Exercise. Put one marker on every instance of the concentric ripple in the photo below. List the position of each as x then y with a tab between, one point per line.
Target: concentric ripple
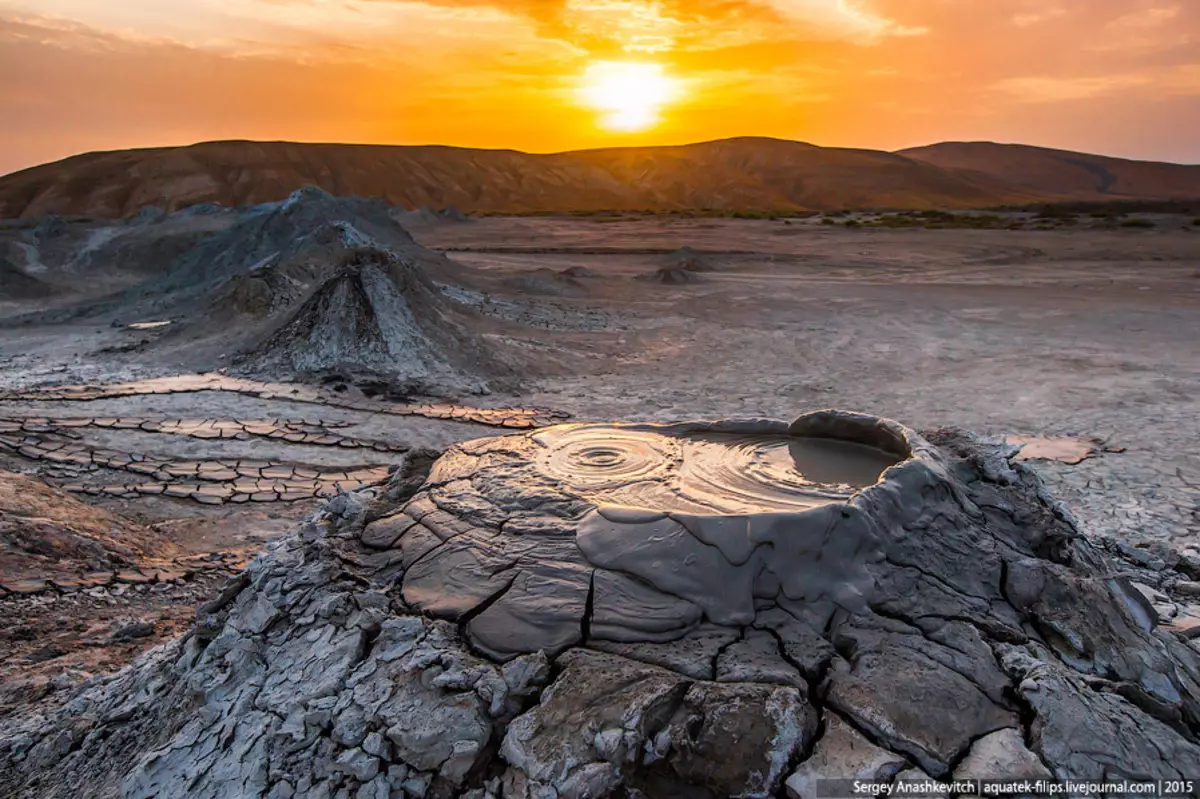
707	472
606	459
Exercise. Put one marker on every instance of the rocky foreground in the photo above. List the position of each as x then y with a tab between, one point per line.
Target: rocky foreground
657	611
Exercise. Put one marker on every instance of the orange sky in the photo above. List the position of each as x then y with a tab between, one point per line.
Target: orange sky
1120	77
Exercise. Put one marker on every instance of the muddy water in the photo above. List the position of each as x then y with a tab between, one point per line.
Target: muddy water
707	473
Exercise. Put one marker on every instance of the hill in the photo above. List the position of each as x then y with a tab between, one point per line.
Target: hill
1063	174
732	174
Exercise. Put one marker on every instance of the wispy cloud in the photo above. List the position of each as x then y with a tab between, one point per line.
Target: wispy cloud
1044	13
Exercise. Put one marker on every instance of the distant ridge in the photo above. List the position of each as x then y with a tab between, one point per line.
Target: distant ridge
1075	176
757	174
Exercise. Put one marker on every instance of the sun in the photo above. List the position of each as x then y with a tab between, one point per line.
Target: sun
629	94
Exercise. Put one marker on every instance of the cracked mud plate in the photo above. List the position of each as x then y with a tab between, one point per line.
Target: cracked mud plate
709	609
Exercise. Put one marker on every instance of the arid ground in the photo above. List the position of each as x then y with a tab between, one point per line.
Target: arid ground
1083	331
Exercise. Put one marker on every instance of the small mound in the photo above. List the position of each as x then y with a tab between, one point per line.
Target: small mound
672	276
429	216
688	259
579	272
259	293
547	282
380	318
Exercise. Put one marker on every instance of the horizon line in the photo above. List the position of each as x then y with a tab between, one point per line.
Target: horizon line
429	145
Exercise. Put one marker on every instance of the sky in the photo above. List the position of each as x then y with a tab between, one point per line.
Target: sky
1119	77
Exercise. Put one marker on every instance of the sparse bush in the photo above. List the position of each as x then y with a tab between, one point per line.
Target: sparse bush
1137	223
1196	222
828	221
853	223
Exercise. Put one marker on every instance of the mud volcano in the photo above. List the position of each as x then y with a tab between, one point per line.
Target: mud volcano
380	318
711	609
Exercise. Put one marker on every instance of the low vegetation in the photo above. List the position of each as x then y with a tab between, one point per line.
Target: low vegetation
937	220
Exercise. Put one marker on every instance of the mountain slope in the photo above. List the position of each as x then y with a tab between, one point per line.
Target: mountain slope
762	174
1068	175
732	174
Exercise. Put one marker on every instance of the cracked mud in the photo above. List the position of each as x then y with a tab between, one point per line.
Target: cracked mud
686	613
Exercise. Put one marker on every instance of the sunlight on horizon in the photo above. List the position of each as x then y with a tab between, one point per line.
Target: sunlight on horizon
629	94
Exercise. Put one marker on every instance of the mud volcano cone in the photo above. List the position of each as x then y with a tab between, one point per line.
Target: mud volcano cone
379	317
712	609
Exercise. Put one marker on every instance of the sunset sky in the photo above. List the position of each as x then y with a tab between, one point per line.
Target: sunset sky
1120	77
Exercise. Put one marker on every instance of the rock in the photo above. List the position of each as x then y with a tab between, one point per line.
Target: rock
556	740
891	678
1189	563
360	765
375	744
129	629
1002	755
1079	733
1186	621
738	739
1152	595
843	754
526	674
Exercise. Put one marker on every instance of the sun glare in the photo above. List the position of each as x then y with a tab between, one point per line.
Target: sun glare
630	95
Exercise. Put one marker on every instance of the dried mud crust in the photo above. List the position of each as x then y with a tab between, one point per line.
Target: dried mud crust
51	543
292	392
213	482
990	632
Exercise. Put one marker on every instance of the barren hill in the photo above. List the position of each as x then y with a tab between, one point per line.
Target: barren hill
732	174
1062	173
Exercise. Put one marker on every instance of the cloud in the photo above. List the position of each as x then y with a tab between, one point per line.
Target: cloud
503	73
649	26
1045	14
1049	90
1151	17
852	19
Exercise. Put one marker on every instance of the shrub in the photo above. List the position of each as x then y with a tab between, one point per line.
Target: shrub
1137	223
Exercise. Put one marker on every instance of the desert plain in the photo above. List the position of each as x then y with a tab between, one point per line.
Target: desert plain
185	443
